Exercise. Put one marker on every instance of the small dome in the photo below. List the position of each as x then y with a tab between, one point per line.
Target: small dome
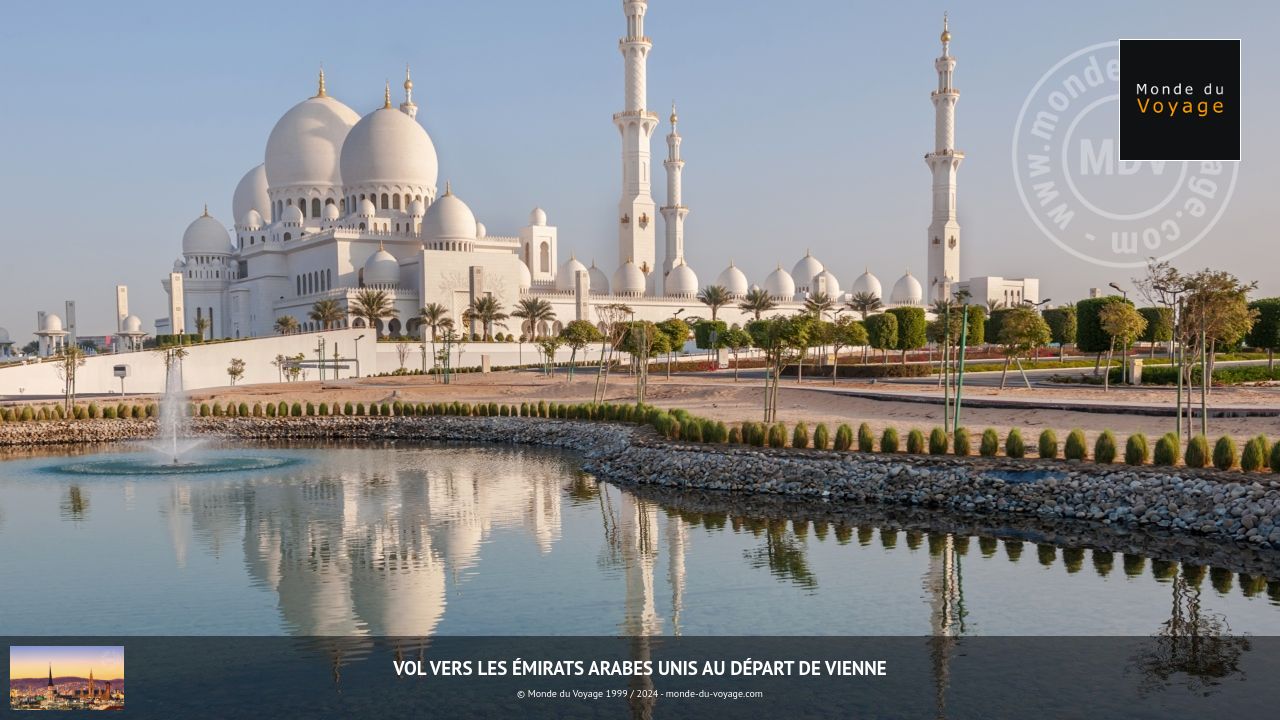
305	144
4	335
526	277
628	280
907	291
381	269
733	280
367	208
805	270
52	324
387	147
833	285
417	208
779	285
599	281
331	212
868	283
449	218
538	217
292	215
251	194
568	274
133	324
179	264
682	282
206	236
481	230
251	220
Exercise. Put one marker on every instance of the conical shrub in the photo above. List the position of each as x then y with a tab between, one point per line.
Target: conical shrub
961	443
1014	446
1047	447
1075	448
800	436
1197	452
1135	450
989	446
1254	457
821	437
1224	453
1166	452
889	441
866	439
1104	449
844	438
938	441
915	442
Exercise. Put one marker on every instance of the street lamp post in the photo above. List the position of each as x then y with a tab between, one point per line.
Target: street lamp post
1124	351
358	339
1176	360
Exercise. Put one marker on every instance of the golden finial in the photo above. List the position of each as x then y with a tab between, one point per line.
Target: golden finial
674	118
448	187
320	92
946	33
408	81
386	96
206	210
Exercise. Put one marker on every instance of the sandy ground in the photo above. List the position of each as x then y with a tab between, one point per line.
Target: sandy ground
812	401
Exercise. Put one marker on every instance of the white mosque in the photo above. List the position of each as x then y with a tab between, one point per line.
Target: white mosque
343	202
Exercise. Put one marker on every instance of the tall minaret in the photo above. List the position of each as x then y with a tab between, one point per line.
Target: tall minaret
636	221
407	107
674	212
944	161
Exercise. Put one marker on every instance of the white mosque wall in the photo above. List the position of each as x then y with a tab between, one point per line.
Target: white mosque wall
204	367
504	354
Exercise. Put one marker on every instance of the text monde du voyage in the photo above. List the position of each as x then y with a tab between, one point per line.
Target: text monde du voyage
1181	99
747	667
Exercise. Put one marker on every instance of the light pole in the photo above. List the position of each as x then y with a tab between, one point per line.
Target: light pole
1176	360
358	339
1124	351
320	355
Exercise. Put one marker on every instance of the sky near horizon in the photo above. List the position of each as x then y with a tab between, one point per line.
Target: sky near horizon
804	126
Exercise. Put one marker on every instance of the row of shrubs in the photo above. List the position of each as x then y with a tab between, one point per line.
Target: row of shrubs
1222	375
92	411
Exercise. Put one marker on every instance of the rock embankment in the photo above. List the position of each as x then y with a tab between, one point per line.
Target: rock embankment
1228	507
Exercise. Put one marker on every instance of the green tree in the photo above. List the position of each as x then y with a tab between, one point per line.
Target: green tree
1062	326
235	370
882	332
1265	333
1090	337
68	363
845	332
286	325
912	329
818	305
577	335
1022	332
374	306
736	340
488	312
1159	326
714	297
780	338
326	313
1122	323
677	332
757	302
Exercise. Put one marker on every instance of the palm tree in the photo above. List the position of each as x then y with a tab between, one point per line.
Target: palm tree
373	306
714	297
432	317
757	302
286	324
818	305
488	312
533	312
202	327
864	302
326	312
994	304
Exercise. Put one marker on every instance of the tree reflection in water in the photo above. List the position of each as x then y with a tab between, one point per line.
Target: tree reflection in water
1193	648
784	554
76	506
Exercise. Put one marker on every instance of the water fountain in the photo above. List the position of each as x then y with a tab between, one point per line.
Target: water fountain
172	431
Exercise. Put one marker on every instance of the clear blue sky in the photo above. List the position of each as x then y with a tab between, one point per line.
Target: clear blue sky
804	126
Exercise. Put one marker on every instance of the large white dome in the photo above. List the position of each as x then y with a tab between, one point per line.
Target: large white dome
389	148
833	284
449	218
868	283
599	281
381	269
251	194
907	291
206	236
682	282
628	280
779	285
568	274
305	145
805	270
526	277
733	280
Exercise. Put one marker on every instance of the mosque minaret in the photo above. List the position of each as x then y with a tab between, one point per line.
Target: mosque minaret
342	202
944	163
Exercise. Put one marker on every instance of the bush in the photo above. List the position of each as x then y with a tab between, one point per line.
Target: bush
108	413
844	438
1075	448
778	436
889	441
1224	453
821	437
542	409
937	441
961	444
1104	449
1136	450
1047	447
296	409
360	408
757	434
204	410
989	446
1167	450
282	409
257	409
915	442
311	409
348	409
721	433
735	436
323	409
693	432
1014	446
231	410
1274	459
244	409
800	436
866	439
1197	452
271	409
1254	457
94	411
